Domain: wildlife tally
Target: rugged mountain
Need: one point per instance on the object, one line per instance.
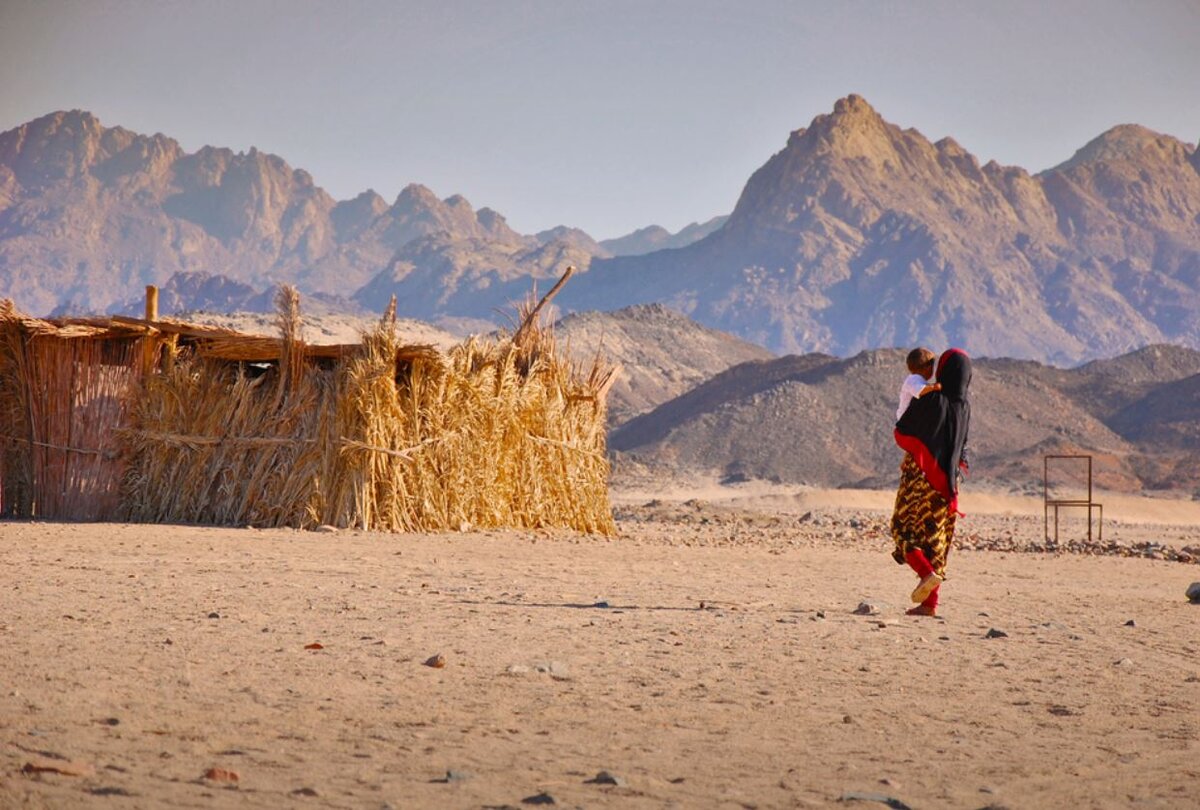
(860, 234)
(656, 237)
(89, 215)
(857, 234)
(573, 237)
(373, 243)
(661, 353)
(445, 275)
(826, 421)
(1129, 204)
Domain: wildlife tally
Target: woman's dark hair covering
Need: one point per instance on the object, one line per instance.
(934, 427)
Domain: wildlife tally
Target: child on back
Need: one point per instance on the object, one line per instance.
(917, 384)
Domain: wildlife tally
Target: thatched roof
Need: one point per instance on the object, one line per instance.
(211, 342)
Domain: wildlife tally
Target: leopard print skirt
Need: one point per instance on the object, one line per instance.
(921, 519)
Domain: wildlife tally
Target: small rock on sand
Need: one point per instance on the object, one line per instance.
(436, 661)
(1193, 593)
(60, 766)
(221, 775)
(867, 609)
(555, 669)
(890, 801)
(994, 633)
(608, 778)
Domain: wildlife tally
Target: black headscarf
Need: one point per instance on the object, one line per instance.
(934, 427)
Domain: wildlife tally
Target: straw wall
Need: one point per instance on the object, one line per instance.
(16, 461)
(495, 434)
(391, 437)
(61, 394)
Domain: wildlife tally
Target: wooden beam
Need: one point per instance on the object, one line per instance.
(151, 302)
(150, 341)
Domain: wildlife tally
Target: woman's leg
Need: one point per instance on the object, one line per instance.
(918, 562)
(931, 600)
(922, 527)
(926, 608)
(930, 580)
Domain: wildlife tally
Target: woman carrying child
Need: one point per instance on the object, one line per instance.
(933, 434)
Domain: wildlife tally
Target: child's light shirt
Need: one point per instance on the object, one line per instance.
(910, 389)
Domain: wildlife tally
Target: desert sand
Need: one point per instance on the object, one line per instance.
(710, 656)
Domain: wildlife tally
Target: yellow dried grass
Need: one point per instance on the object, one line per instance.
(498, 433)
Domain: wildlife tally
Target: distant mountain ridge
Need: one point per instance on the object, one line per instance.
(860, 234)
(826, 421)
(89, 215)
(656, 237)
(856, 234)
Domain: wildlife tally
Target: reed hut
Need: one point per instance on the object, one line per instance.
(156, 420)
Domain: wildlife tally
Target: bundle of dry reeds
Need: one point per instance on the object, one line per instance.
(213, 441)
(496, 434)
(395, 438)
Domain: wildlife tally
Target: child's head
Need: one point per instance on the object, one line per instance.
(920, 361)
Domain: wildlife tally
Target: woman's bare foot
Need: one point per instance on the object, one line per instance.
(921, 610)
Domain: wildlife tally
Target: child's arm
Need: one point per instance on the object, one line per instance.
(929, 389)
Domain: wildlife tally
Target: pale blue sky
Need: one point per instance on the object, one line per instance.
(606, 115)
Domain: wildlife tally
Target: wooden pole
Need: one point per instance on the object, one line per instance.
(150, 350)
(151, 302)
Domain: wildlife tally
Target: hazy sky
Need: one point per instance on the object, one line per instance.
(605, 115)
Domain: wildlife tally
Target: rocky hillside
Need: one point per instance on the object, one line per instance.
(826, 421)
(661, 353)
(861, 234)
(445, 275)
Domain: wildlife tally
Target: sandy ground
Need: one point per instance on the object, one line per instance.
(1166, 508)
(709, 662)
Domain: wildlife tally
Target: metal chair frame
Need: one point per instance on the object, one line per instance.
(1049, 503)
